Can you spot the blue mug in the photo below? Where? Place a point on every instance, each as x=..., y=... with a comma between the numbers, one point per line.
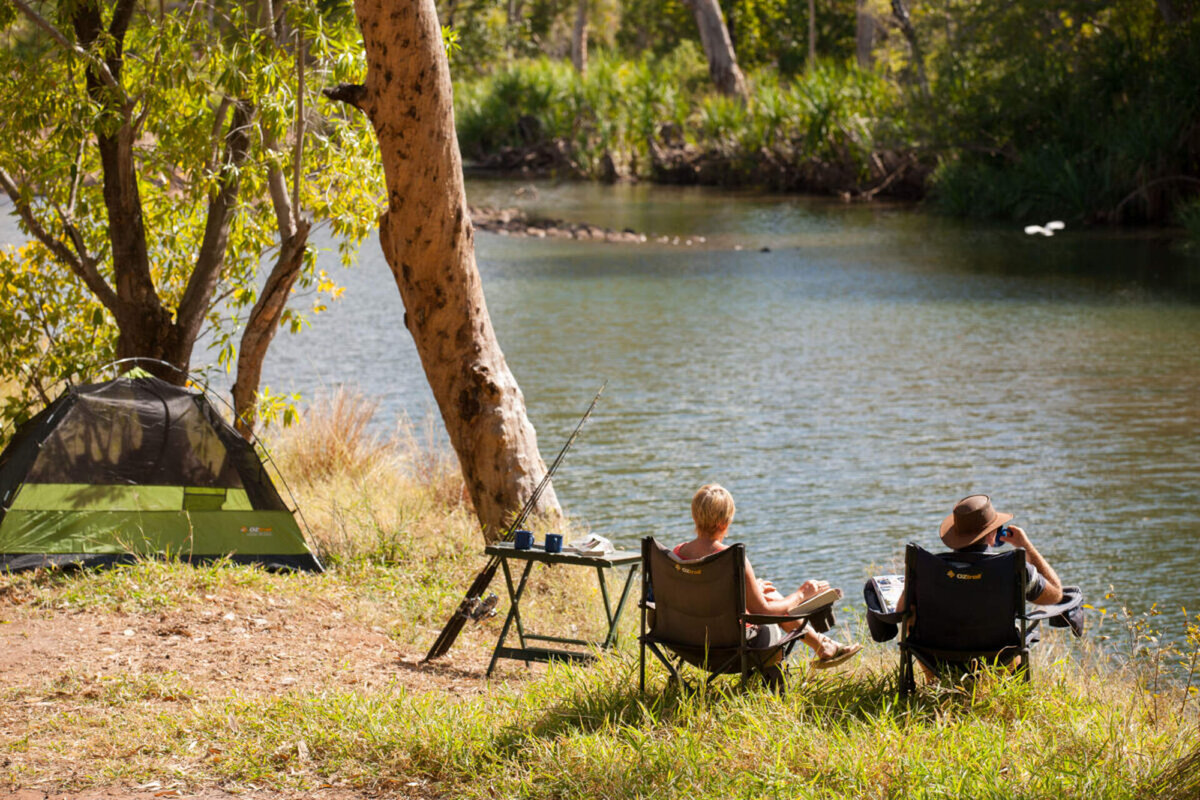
x=553, y=542
x=523, y=540
x=1002, y=534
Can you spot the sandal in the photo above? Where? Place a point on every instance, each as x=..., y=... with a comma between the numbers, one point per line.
x=844, y=652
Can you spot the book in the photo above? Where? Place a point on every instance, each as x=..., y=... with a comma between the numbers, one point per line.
x=888, y=589
x=590, y=545
x=818, y=600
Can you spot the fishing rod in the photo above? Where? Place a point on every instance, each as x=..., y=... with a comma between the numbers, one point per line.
x=472, y=605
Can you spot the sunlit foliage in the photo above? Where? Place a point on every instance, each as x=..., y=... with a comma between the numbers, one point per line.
x=182, y=65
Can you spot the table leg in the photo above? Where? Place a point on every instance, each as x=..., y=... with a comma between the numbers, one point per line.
x=604, y=594
x=514, y=598
x=615, y=616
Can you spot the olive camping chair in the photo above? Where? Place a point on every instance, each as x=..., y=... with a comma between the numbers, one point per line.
x=969, y=610
x=694, y=612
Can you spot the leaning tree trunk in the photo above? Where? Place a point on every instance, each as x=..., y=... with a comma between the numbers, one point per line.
x=714, y=38
x=812, y=34
x=900, y=12
x=579, y=38
x=428, y=241
x=864, y=34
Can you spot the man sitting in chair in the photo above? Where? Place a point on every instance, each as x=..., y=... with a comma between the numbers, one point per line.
x=712, y=512
x=974, y=526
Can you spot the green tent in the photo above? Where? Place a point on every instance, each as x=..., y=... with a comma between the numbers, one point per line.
x=136, y=467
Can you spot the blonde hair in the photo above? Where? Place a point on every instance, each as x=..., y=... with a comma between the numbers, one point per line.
x=712, y=509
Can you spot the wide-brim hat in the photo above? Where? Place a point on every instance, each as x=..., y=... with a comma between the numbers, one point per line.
x=972, y=519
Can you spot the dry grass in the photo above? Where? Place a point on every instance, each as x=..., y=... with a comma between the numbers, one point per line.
x=368, y=496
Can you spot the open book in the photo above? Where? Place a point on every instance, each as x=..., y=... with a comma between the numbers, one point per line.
x=816, y=601
x=888, y=589
x=590, y=545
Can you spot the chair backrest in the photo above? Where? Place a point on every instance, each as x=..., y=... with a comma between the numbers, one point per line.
x=965, y=601
x=696, y=603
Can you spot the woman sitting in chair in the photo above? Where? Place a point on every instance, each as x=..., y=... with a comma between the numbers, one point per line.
x=712, y=511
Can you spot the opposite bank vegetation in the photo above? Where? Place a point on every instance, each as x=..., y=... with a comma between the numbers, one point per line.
x=389, y=518
x=1021, y=118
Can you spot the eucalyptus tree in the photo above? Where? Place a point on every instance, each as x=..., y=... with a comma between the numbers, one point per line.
x=161, y=157
x=429, y=243
x=718, y=48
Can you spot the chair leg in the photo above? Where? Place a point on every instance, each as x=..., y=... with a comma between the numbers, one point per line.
x=642, y=660
x=905, y=673
x=773, y=678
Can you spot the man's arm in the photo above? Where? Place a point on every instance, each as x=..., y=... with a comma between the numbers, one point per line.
x=1053, y=591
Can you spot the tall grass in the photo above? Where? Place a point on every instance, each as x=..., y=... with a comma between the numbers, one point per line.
x=620, y=106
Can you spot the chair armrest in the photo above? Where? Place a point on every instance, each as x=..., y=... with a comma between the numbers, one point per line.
x=894, y=618
x=1067, y=613
x=1072, y=598
x=819, y=619
x=772, y=619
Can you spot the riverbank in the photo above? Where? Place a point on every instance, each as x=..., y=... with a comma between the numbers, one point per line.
x=160, y=680
x=1000, y=147
x=659, y=121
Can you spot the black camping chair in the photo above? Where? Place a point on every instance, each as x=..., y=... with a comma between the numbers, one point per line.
x=694, y=612
x=969, y=610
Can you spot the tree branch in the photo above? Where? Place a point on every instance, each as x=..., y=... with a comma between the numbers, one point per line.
x=74, y=235
x=218, y=124
x=1141, y=190
x=262, y=325
x=350, y=93
x=299, y=151
x=83, y=267
x=197, y=296
x=101, y=67
x=122, y=13
x=77, y=178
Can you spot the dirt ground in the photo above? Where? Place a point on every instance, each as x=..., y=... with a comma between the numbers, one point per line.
x=213, y=648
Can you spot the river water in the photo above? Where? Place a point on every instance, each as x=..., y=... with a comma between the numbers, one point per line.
x=847, y=371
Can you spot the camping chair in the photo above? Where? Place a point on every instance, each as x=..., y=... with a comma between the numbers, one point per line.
x=969, y=610
x=694, y=612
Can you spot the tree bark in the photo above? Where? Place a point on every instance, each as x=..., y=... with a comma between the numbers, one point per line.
x=579, y=38
x=864, y=35
x=1169, y=13
x=428, y=241
x=900, y=12
x=718, y=47
x=812, y=34
x=261, y=326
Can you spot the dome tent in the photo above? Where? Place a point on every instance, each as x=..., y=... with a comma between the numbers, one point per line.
x=134, y=467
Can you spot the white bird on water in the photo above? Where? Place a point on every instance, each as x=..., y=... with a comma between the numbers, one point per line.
x=1046, y=230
